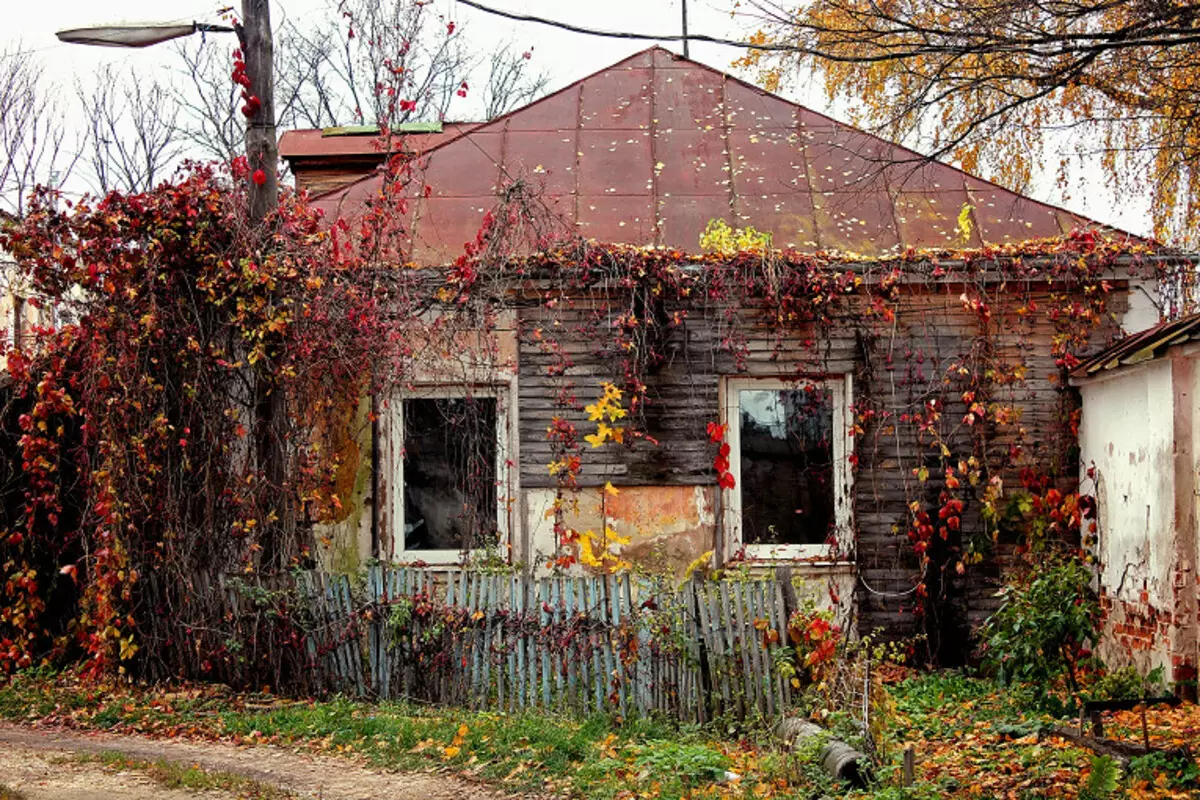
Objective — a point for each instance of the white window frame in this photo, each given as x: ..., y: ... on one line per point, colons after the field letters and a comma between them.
x: 840, y: 391
x: 502, y: 395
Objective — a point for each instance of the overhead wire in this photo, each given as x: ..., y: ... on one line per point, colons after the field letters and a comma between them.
x: 611, y: 34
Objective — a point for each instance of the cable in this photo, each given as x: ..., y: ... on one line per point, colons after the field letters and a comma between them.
x: 676, y: 37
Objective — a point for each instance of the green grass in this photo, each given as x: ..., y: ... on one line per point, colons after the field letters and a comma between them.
x: 171, y: 775
x: 968, y: 734
x: 595, y: 757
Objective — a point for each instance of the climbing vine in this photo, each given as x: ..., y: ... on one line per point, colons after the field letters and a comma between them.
x: 142, y: 461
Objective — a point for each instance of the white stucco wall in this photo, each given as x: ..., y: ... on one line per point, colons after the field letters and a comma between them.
x: 1143, y: 309
x: 1127, y: 435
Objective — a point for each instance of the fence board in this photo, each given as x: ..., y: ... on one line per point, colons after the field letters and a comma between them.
x: 581, y: 644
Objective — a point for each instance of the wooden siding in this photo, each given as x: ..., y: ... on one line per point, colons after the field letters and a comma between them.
x: 896, y: 366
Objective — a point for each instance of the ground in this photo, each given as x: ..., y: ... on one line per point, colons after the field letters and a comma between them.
x: 51, y: 762
x: 971, y: 738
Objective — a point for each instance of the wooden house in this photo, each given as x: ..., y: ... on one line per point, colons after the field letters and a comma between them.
x: 877, y: 405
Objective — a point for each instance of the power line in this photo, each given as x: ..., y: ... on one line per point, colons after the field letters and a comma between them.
x: 648, y: 37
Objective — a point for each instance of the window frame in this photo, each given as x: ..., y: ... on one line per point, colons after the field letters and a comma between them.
x: 840, y: 388
x: 395, y: 490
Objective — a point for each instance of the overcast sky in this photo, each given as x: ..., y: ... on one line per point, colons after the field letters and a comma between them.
x: 566, y: 56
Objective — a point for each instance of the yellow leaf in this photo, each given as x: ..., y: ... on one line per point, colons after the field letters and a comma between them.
x: 964, y: 221
x: 610, y: 489
x: 450, y: 752
x: 700, y: 563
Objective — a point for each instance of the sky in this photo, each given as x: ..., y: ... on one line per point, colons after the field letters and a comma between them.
x: 566, y: 56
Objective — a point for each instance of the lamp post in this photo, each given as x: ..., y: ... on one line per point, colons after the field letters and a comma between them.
x: 254, y: 34
x: 262, y: 153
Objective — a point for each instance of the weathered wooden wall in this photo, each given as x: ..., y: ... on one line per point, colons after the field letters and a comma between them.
x: 897, y: 365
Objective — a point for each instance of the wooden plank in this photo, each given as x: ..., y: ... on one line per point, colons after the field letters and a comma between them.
x: 487, y: 606
x: 557, y: 652
x: 635, y: 683
x: 751, y: 665
x: 727, y: 629
x: 354, y: 644
x: 594, y: 608
x: 472, y: 641
x: 450, y: 679
x: 767, y: 678
x: 571, y: 651
x: 541, y: 641
x: 612, y: 653
x: 720, y: 648
x: 521, y: 678
x: 779, y: 610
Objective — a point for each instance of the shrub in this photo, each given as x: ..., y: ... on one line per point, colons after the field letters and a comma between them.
x: 1045, y: 624
x: 1127, y: 683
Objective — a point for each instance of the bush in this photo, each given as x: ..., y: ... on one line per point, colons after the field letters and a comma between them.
x: 1127, y: 683
x: 1045, y: 624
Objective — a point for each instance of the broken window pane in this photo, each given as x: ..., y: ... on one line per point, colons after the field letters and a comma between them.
x: 786, y: 452
x: 449, y: 473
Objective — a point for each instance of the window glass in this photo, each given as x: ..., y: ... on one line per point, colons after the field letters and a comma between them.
x: 449, y: 473
x: 786, y: 452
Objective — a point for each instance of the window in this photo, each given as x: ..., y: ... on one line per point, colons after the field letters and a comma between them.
x: 789, y: 455
x: 450, y: 492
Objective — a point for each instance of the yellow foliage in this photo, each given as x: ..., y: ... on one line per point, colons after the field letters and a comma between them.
x: 963, y: 228
x: 605, y: 410
x: 718, y: 237
x: 700, y: 563
x: 991, y: 86
x: 594, y: 550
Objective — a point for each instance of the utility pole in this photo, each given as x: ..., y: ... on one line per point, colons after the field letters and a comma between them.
x: 685, y: 36
x: 262, y: 157
x: 262, y: 152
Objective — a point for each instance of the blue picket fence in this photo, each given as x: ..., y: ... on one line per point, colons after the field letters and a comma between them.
x: 614, y: 643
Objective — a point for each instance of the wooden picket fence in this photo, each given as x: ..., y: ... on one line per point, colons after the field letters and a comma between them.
x: 695, y: 651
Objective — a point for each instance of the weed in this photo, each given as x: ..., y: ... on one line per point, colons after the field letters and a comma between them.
x: 171, y: 775
x: 1179, y: 770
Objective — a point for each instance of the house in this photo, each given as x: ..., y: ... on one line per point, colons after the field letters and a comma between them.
x: 17, y: 314
x: 1140, y: 456
x: 861, y: 407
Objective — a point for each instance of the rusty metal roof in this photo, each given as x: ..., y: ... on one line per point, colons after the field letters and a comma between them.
x: 647, y: 151
x: 318, y: 143
x: 1144, y: 346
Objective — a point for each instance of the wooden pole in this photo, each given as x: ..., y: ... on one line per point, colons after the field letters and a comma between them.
x: 262, y: 156
x: 261, y: 149
x: 685, y: 29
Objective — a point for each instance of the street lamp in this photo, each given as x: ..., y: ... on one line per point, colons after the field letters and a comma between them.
x: 136, y: 34
x: 254, y: 33
x: 262, y: 155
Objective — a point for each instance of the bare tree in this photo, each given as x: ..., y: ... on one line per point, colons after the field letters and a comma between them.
x: 361, y: 62
x: 511, y: 84
x: 130, y: 137
x: 208, y: 100
x: 33, y: 139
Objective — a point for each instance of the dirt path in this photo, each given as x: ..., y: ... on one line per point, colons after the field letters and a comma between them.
x: 28, y: 764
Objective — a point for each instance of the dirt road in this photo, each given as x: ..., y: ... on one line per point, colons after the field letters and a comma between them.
x: 36, y: 764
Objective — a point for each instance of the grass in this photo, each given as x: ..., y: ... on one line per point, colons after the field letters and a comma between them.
x: 10, y: 794
x: 972, y: 739
x: 171, y: 775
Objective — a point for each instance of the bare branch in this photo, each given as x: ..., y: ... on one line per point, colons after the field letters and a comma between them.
x: 34, y: 148
x: 131, y: 134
